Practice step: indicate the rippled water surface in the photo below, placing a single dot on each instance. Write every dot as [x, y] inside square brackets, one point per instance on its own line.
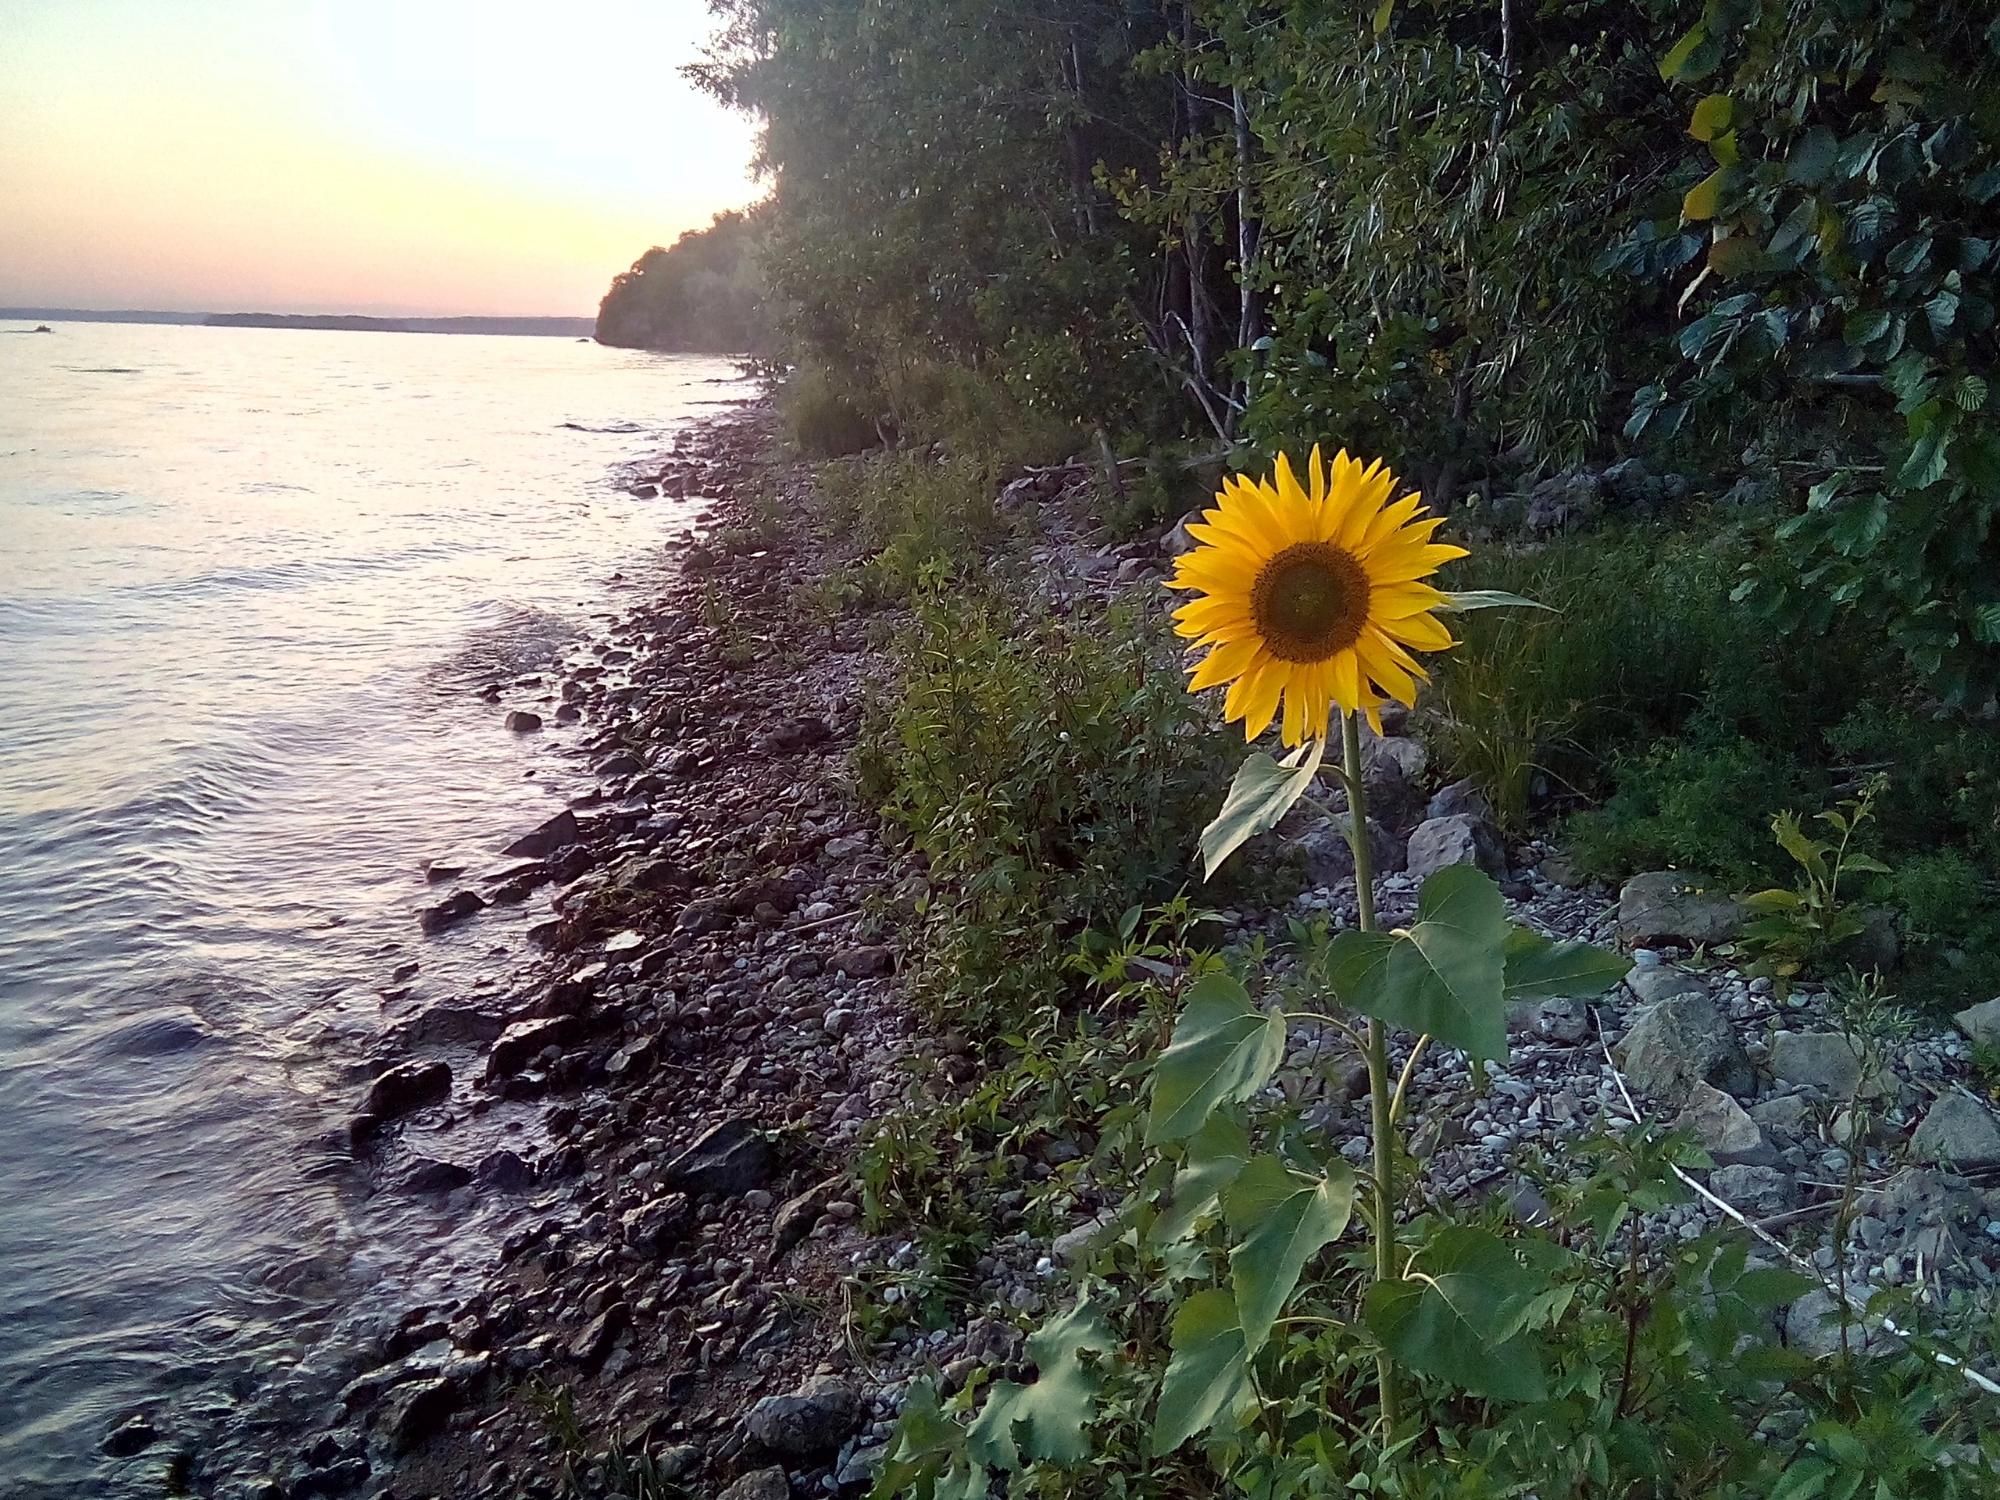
[249, 581]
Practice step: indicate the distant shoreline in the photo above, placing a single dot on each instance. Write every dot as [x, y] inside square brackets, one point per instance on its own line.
[346, 322]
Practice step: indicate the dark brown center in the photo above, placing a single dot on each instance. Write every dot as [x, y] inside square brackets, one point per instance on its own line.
[1310, 602]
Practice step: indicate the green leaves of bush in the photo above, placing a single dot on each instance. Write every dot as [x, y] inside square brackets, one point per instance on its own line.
[1224, 1050]
[1462, 1313]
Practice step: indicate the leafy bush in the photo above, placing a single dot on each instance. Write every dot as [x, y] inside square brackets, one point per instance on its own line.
[823, 421]
[1050, 772]
[910, 518]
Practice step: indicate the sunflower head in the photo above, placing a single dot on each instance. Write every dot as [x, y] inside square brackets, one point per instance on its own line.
[1310, 597]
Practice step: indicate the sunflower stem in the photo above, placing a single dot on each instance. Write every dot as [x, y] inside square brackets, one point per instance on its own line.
[1378, 1050]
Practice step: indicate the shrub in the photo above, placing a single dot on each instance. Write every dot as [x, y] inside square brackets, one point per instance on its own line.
[909, 516]
[823, 422]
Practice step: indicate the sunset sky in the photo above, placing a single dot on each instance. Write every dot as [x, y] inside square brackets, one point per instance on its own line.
[384, 156]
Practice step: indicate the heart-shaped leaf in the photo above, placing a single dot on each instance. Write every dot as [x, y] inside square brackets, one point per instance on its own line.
[1282, 1218]
[1445, 975]
[1538, 969]
[1046, 1419]
[1459, 1316]
[1208, 1377]
[1223, 1051]
[1215, 1154]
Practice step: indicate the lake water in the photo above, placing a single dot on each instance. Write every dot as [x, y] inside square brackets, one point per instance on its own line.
[249, 583]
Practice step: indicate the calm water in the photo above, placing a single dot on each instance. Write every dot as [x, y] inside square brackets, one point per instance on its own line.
[249, 580]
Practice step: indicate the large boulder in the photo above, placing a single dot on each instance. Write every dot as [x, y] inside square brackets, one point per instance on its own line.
[558, 832]
[406, 1087]
[1958, 1131]
[729, 1160]
[1827, 1061]
[1981, 1023]
[809, 1423]
[1679, 1042]
[1666, 906]
[1459, 839]
[1722, 1127]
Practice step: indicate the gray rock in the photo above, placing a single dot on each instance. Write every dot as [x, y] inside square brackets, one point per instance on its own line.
[1330, 859]
[870, 962]
[1758, 1190]
[1981, 1023]
[759, 1484]
[133, 1435]
[1460, 839]
[1824, 1060]
[405, 1087]
[1877, 945]
[558, 832]
[520, 1043]
[523, 721]
[1392, 758]
[1787, 1114]
[1721, 1127]
[1958, 1131]
[505, 1171]
[1812, 1325]
[594, 1341]
[430, 1174]
[1659, 982]
[1667, 906]
[732, 1158]
[809, 1423]
[449, 912]
[1461, 798]
[1074, 1245]
[417, 1409]
[1679, 1042]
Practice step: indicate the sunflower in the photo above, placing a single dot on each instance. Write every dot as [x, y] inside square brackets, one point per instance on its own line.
[1312, 595]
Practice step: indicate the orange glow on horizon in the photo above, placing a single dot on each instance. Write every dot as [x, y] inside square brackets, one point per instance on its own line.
[428, 157]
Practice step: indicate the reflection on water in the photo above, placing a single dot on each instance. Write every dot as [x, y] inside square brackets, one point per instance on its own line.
[249, 580]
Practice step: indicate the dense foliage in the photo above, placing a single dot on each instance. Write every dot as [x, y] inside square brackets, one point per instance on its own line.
[703, 295]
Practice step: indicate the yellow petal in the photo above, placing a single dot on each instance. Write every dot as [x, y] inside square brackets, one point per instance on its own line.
[1225, 663]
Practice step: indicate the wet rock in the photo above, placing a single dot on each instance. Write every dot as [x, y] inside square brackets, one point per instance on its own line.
[445, 1024]
[1459, 839]
[1668, 906]
[557, 833]
[759, 1484]
[523, 721]
[133, 1435]
[505, 1171]
[1721, 1127]
[621, 763]
[429, 1174]
[1679, 1042]
[416, 1410]
[406, 1087]
[449, 912]
[1981, 1023]
[870, 962]
[809, 1423]
[1824, 1060]
[1958, 1132]
[520, 1043]
[732, 1158]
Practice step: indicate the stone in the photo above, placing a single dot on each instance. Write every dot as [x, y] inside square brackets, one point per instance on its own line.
[1788, 1114]
[1073, 1246]
[1958, 1131]
[1721, 1127]
[1759, 1191]
[707, 914]
[870, 962]
[1981, 1023]
[520, 1043]
[795, 1218]
[1667, 906]
[430, 1174]
[417, 1409]
[655, 1227]
[406, 1087]
[809, 1423]
[1656, 982]
[133, 1435]
[594, 1341]
[620, 763]
[1392, 757]
[558, 832]
[731, 1159]
[796, 734]
[1824, 1060]
[523, 721]
[759, 1484]
[1679, 1042]
[505, 1171]
[1878, 945]
[1561, 869]
[449, 912]
[1459, 839]
[1462, 798]
[1329, 859]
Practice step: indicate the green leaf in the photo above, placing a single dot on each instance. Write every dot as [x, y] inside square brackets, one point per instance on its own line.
[1704, 199]
[1537, 969]
[1460, 1318]
[1282, 1218]
[1208, 1377]
[1445, 975]
[1808, 852]
[1215, 1154]
[1711, 117]
[1470, 599]
[1224, 1050]
[1046, 1419]
[1677, 58]
[1384, 14]
[1262, 793]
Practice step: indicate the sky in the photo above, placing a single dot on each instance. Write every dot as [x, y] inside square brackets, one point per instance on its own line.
[375, 156]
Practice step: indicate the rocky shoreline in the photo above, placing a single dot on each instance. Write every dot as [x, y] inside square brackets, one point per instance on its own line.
[722, 1016]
